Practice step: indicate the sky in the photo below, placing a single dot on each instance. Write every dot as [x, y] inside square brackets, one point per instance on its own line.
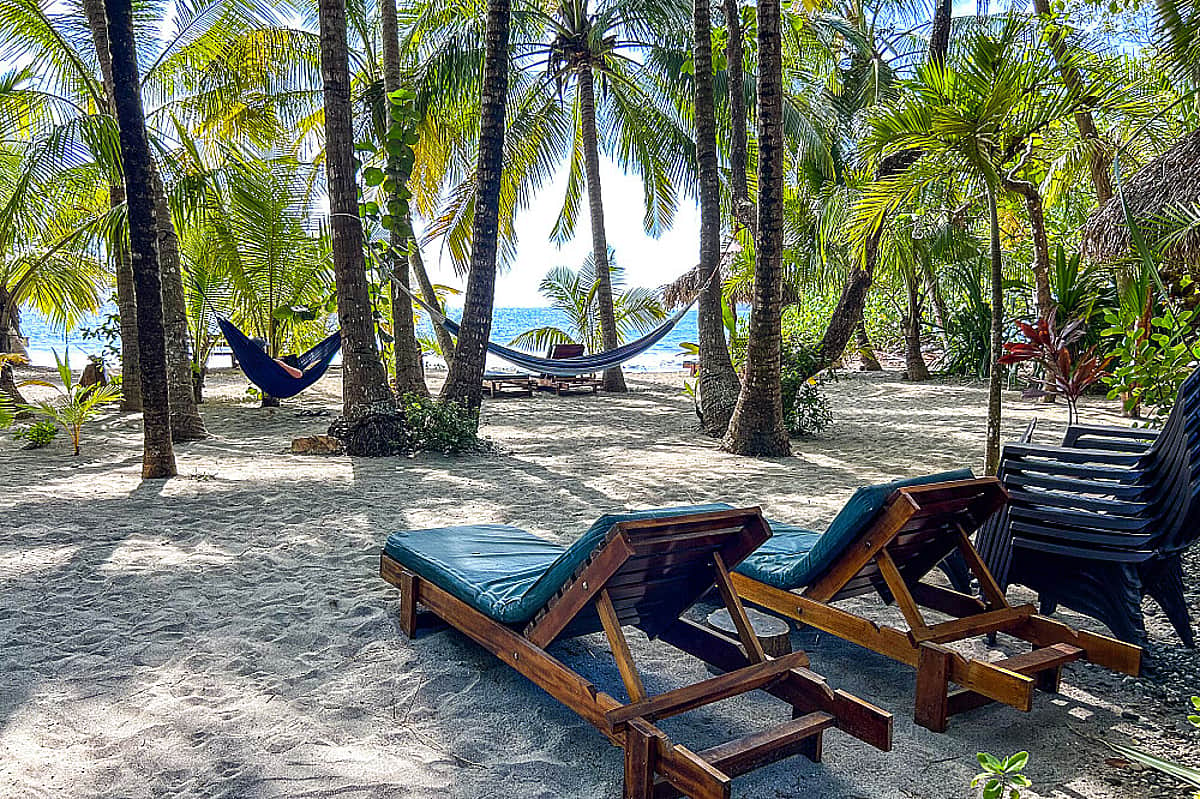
[648, 262]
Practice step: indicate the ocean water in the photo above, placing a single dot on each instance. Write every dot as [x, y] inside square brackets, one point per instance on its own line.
[507, 323]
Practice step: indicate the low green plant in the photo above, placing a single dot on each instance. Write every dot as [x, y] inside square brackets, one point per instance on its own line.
[37, 435]
[76, 405]
[805, 406]
[445, 427]
[1002, 779]
[1154, 355]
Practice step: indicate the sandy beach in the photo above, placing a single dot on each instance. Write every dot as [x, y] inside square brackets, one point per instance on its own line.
[227, 634]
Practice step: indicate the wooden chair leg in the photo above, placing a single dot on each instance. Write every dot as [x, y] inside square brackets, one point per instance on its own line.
[811, 747]
[408, 603]
[1049, 680]
[933, 687]
[640, 750]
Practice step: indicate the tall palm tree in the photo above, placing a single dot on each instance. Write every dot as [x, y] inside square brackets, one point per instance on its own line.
[464, 383]
[757, 426]
[719, 383]
[973, 115]
[364, 380]
[158, 455]
[590, 47]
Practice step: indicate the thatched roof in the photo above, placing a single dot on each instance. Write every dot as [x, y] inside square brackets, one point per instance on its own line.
[681, 291]
[1169, 181]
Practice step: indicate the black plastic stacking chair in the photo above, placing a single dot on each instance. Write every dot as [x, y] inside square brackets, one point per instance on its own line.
[1100, 522]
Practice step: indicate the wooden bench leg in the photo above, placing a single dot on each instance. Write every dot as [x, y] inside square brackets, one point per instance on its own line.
[640, 751]
[933, 687]
[408, 603]
[1049, 680]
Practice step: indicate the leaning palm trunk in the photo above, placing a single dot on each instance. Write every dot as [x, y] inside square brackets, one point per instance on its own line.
[364, 380]
[614, 379]
[158, 455]
[757, 426]
[464, 384]
[854, 293]
[996, 378]
[719, 383]
[1098, 159]
[417, 262]
[131, 388]
[914, 360]
[409, 377]
[866, 353]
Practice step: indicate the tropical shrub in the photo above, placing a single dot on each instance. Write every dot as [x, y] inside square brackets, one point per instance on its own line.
[1002, 779]
[37, 435]
[1154, 356]
[1065, 373]
[76, 405]
[805, 406]
[969, 329]
[417, 424]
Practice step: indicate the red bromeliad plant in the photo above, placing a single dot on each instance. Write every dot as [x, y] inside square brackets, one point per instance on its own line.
[1066, 374]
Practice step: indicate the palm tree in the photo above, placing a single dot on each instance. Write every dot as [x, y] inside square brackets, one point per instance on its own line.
[590, 47]
[464, 383]
[973, 115]
[158, 455]
[757, 426]
[575, 294]
[364, 380]
[719, 383]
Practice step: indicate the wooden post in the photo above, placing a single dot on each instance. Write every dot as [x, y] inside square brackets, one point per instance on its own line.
[408, 603]
[933, 686]
[640, 749]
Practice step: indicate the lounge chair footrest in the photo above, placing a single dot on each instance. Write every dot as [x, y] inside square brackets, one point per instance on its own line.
[1044, 663]
[742, 755]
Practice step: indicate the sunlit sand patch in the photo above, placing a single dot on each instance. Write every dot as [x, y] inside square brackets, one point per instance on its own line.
[139, 554]
[28, 561]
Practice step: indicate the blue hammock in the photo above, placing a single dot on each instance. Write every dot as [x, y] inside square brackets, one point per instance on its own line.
[564, 367]
[264, 372]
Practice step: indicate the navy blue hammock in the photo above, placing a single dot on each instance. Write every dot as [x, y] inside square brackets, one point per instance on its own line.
[263, 370]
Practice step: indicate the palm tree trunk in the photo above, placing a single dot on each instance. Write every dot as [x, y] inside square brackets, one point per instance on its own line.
[940, 312]
[158, 454]
[614, 379]
[743, 206]
[364, 380]
[757, 426]
[996, 377]
[131, 384]
[854, 293]
[417, 263]
[407, 354]
[464, 384]
[8, 322]
[719, 383]
[914, 359]
[186, 424]
[1098, 160]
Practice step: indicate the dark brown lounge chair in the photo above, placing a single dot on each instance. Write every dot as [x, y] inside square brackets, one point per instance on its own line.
[516, 594]
[560, 385]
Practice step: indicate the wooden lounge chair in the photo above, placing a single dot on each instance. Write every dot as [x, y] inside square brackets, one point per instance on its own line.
[886, 541]
[516, 594]
[497, 383]
[558, 384]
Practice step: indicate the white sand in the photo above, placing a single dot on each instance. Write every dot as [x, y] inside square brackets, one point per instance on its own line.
[226, 633]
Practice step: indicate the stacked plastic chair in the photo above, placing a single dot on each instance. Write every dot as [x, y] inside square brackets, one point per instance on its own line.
[1102, 521]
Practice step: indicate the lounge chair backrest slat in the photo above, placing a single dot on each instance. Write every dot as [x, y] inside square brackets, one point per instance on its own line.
[653, 569]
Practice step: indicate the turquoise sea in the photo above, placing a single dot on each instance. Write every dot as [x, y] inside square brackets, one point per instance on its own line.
[507, 323]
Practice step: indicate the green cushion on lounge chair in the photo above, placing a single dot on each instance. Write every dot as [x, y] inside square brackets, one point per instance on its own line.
[506, 572]
[794, 557]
